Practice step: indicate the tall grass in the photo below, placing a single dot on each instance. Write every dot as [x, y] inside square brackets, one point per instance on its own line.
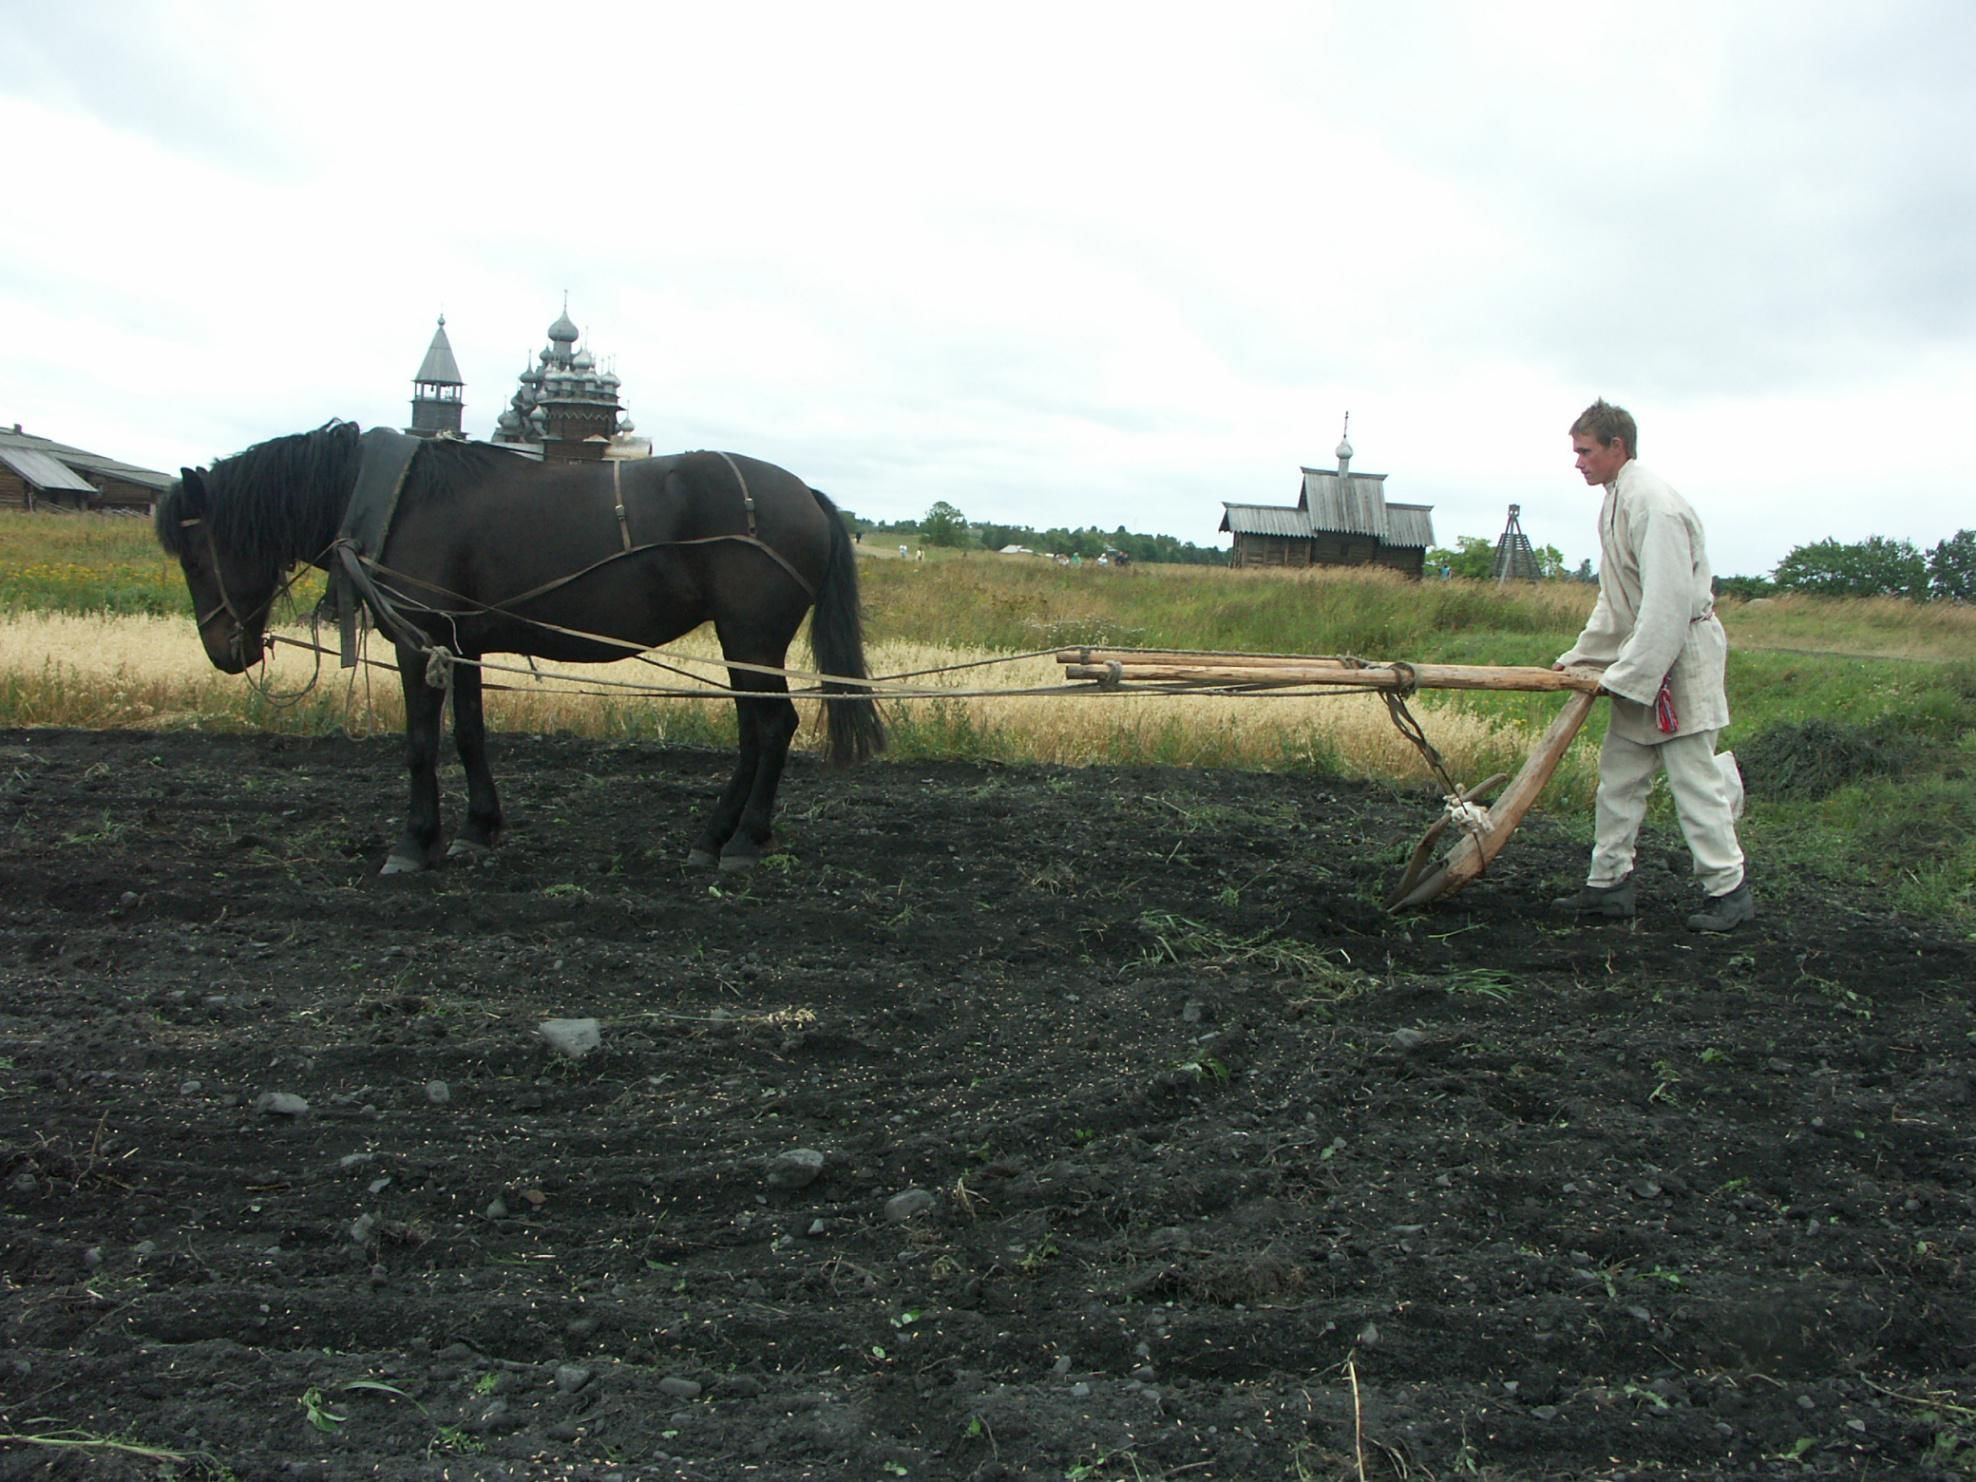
[1019, 603]
[150, 672]
[95, 632]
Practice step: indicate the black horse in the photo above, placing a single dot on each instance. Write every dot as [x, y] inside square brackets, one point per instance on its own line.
[473, 549]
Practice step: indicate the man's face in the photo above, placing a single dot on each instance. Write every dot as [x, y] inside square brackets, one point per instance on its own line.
[1598, 462]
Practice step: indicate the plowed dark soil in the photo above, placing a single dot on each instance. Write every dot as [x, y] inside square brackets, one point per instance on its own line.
[1131, 1139]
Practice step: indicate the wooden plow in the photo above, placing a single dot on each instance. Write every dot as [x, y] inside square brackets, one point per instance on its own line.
[1481, 828]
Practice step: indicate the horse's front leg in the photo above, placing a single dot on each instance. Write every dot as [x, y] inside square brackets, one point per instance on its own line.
[773, 720]
[418, 847]
[483, 826]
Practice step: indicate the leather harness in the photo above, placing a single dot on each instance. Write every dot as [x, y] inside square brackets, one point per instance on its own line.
[385, 461]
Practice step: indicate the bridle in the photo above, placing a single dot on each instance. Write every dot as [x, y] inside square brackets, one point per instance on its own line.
[225, 604]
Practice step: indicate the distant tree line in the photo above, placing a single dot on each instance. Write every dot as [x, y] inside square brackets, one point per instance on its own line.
[946, 527]
[1874, 567]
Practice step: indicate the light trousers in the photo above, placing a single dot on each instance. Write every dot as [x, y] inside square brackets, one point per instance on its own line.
[1707, 793]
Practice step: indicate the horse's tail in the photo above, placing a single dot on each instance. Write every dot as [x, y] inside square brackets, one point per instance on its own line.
[837, 640]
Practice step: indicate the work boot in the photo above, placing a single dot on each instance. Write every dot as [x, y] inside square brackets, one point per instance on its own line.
[1725, 912]
[1615, 900]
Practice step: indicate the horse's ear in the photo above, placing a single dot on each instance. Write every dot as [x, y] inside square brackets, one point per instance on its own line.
[192, 490]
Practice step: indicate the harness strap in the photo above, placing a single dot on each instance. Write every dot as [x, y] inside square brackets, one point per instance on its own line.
[355, 563]
[748, 503]
[617, 494]
[547, 587]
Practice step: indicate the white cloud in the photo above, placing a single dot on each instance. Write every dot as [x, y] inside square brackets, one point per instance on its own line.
[1056, 265]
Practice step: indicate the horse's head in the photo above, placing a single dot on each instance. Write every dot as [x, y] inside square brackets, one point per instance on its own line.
[232, 589]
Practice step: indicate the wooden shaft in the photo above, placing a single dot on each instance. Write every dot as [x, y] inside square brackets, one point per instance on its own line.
[1471, 855]
[1272, 670]
[1190, 656]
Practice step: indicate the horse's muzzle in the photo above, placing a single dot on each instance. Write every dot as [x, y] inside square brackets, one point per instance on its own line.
[232, 648]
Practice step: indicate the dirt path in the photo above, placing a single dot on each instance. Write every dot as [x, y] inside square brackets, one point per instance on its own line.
[1148, 1146]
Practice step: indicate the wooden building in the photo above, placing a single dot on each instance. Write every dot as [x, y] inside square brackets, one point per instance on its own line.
[37, 473]
[565, 409]
[1341, 518]
[437, 390]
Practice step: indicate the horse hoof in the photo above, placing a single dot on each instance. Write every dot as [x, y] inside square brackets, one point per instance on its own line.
[468, 852]
[399, 864]
[732, 862]
[700, 859]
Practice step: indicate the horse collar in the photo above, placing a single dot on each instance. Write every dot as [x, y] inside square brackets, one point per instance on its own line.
[385, 458]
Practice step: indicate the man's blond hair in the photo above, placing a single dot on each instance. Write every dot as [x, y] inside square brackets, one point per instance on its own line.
[1608, 424]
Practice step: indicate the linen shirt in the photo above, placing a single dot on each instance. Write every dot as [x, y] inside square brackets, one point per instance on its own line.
[1655, 615]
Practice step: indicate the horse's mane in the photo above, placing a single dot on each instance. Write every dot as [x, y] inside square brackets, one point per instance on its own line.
[447, 465]
[279, 501]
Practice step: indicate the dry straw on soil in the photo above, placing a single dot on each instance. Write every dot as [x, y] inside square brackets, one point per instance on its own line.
[145, 672]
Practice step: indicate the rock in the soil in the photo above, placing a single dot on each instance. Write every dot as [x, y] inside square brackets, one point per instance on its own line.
[572, 1377]
[438, 1092]
[572, 1037]
[795, 1169]
[902, 1207]
[496, 1419]
[281, 1104]
[680, 1387]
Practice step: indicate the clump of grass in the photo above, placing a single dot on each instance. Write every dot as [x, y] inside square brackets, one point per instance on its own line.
[1814, 758]
[1173, 938]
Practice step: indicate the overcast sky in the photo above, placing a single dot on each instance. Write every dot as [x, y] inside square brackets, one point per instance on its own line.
[1057, 264]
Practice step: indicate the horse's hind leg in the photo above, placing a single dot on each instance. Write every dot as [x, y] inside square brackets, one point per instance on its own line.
[719, 827]
[775, 727]
[741, 824]
[483, 826]
[418, 847]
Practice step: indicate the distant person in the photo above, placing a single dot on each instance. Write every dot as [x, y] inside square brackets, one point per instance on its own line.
[1654, 633]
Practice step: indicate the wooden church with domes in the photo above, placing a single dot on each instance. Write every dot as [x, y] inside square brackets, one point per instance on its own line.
[564, 409]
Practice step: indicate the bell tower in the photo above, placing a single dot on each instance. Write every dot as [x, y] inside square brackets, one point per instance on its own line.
[436, 390]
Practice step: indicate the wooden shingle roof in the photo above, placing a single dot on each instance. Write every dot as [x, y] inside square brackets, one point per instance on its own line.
[1328, 504]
